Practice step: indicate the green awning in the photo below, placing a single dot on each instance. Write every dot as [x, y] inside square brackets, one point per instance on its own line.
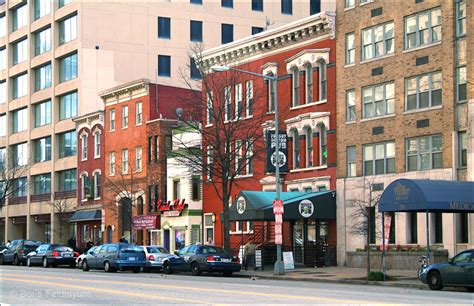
[258, 205]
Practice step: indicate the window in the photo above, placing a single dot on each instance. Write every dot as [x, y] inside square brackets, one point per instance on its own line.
[124, 161]
[84, 147]
[20, 17]
[379, 158]
[271, 95]
[238, 101]
[309, 147]
[43, 113]
[256, 30]
[249, 98]
[3, 157]
[42, 148]
[323, 147]
[309, 83]
[257, 5]
[42, 41]
[176, 194]
[20, 155]
[296, 86]
[97, 144]
[85, 187]
[97, 185]
[64, 2]
[423, 91]
[377, 41]
[287, 7]
[195, 73]
[365, 1]
[378, 100]
[209, 108]
[3, 25]
[164, 65]
[423, 28]
[124, 117]
[67, 144]
[350, 106]
[3, 58]
[460, 18]
[3, 125]
[3, 92]
[112, 163]
[20, 120]
[239, 158]
[196, 30]
[296, 150]
[164, 27]
[322, 80]
[462, 84]
[138, 159]
[20, 86]
[195, 1]
[349, 3]
[249, 157]
[68, 68]
[138, 113]
[67, 30]
[209, 162]
[412, 222]
[196, 188]
[227, 103]
[20, 188]
[20, 51]
[67, 180]
[350, 48]
[462, 149]
[112, 119]
[43, 77]
[314, 7]
[227, 33]
[351, 161]
[424, 153]
[68, 106]
[42, 183]
[227, 3]
[42, 8]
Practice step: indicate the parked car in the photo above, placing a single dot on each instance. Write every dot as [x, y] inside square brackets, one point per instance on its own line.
[113, 257]
[457, 271]
[52, 255]
[83, 255]
[17, 250]
[202, 258]
[154, 257]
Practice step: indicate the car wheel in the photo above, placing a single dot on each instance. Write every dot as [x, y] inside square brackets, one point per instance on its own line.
[107, 267]
[470, 289]
[16, 260]
[28, 262]
[228, 273]
[136, 270]
[85, 266]
[79, 264]
[195, 270]
[434, 281]
[167, 268]
[45, 262]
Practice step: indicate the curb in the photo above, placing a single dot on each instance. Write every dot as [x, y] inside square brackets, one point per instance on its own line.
[337, 281]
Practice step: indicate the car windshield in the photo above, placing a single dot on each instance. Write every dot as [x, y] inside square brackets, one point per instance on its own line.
[131, 249]
[212, 250]
[156, 250]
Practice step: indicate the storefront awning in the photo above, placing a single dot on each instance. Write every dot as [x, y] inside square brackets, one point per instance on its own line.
[426, 195]
[258, 205]
[86, 215]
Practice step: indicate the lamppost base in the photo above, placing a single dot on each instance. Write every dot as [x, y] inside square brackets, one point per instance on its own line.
[279, 268]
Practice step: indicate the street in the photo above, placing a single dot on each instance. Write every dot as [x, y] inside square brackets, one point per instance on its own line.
[22, 285]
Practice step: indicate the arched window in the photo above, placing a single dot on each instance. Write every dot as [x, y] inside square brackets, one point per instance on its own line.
[296, 86]
[309, 147]
[309, 83]
[296, 149]
[323, 153]
[322, 80]
[84, 147]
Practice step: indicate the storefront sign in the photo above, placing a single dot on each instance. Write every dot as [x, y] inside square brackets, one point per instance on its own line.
[306, 208]
[171, 209]
[145, 222]
[271, 158]
[258, 259]
[241, 205]
[288, 261]
[386, 230]
[102, 225]
[172, 213]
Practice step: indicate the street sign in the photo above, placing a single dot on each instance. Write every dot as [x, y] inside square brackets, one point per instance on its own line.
[278, 207]
[386, 234]
[278, 239]
[271, 159]
[278, 229]
[278, 219]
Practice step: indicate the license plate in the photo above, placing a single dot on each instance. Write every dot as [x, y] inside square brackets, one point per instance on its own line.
[132, 258]
[67, 255]
[226, 260]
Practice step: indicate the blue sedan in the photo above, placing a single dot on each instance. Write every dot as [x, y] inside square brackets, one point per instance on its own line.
[456, 272]
[202, 258]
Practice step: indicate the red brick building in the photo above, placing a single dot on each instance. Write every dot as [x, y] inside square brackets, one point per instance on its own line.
[302, 56]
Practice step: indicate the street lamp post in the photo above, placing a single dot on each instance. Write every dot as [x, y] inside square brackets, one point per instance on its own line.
[279, 268]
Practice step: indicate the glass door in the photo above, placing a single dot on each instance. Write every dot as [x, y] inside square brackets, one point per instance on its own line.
[298, 241]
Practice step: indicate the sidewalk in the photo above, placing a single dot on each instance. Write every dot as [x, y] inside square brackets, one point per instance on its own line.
[403, 278]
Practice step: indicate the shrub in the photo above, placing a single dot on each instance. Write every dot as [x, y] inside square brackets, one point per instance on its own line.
[378, 276]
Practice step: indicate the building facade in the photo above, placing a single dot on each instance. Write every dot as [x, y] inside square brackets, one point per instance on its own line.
[402, 112]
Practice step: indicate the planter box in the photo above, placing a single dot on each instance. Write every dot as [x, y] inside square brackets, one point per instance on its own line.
[395, 260]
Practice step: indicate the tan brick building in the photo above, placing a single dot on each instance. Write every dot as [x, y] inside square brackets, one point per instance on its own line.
[402, 111]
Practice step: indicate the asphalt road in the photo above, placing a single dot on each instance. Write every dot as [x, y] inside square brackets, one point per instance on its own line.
[23, 285]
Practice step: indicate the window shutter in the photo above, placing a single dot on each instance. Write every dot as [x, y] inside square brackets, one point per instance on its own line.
[91, 187]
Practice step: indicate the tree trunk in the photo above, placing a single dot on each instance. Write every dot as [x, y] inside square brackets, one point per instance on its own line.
[226, 222]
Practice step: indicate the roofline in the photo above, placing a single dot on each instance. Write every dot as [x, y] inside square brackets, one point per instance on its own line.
[123, 88]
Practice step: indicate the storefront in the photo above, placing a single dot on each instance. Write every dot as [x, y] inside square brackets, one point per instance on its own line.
[309, 217]
[87, 227]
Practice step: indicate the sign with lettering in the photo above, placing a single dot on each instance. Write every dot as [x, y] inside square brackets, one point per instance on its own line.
[306, 208]
[288, 261]
[386, 230]
[278, 207]
[282, 159]
[172, 213]
[146, 222]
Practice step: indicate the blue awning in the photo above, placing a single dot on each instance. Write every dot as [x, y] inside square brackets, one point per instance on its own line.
[406, 195]
[86, 215]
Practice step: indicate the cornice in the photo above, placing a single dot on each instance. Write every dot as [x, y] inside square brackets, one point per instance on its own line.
[127, 88]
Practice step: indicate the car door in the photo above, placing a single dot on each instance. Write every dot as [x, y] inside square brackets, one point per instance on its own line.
[8, 255]
[190, 256]
[36, 258]
[470, 270]
[111, 253]
[92, 259]
[179, 263]
[100, 257]
[454, 273]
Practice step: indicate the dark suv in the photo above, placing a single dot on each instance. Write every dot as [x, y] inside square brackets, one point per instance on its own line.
[17, 250]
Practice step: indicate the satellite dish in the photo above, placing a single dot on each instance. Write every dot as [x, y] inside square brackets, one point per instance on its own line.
[179, 112]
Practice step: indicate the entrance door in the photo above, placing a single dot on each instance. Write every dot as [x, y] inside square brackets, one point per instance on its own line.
[298, 242]
[166, 239]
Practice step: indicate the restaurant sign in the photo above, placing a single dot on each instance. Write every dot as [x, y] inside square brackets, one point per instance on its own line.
[146, 222]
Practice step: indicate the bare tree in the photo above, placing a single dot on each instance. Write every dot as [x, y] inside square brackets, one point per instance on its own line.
[61, 206]
[10, 173]
[364, 215]
[233, 110]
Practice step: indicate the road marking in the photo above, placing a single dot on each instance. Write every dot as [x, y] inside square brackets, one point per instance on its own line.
[222, 291]
[103, 290]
